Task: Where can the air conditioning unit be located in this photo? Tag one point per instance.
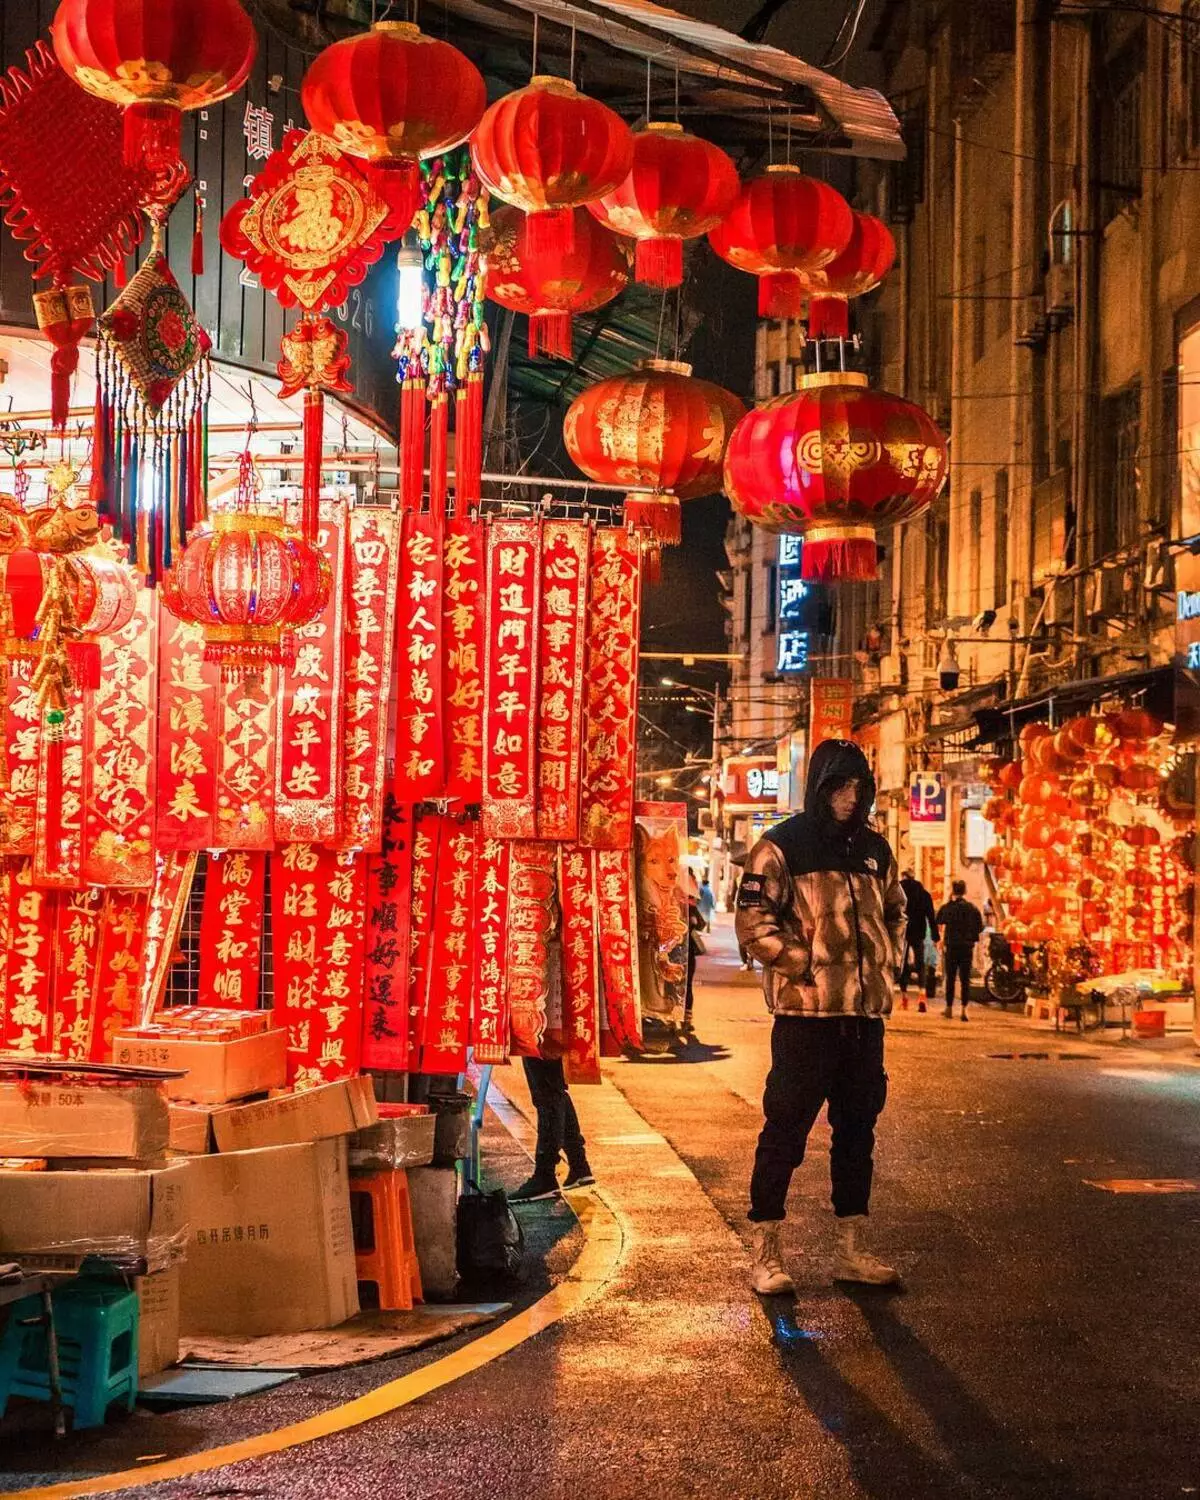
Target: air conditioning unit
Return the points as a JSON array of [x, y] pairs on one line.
[[1031, 322], [1029, 616], [1060, 295]]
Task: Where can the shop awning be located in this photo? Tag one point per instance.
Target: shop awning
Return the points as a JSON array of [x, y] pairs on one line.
[[1153, 689]]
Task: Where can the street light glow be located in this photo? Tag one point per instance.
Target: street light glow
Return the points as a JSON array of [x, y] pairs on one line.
[[410, 293]]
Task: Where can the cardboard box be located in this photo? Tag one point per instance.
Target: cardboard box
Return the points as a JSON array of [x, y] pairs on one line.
[[216, 1071], [311, 1115], [52, 1119], [158, 1320], [271, 1248], [189, 1128], [406, 1141], [56, 1220]]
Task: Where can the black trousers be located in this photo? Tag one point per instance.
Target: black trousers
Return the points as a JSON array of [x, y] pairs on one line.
[[817, 1060], [557, 1123], [914, 962], [958, 967]]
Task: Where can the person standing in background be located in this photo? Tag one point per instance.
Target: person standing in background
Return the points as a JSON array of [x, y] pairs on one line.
[[962, 927], [922, 923]]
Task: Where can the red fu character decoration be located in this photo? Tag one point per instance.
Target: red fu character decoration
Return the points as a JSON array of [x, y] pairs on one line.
[[830, 462]]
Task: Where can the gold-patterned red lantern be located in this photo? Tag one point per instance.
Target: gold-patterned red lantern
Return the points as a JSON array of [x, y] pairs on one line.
[[548, 149], [783, 225], [392, 96], [862, 265], [550, 288], [156, 58], [830, 462], [249, 582], [659, 432], [678, 188]]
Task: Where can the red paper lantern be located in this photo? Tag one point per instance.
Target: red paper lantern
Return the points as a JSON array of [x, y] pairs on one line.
[[156, 58], [391, 96], [1134, 725], [1140, 777], [550, 287], [1141, 836], [1010, 776], [782, 225], [830, 462], [862, 265], [658, 431], [547, 149], [1090, 732], [678, 188], [1037, 789], [1067, 748]]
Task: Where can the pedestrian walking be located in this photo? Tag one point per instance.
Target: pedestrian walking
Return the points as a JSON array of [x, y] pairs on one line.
[[962, 927], [696, 926], [822, 909], [557, 1131], [708, 902], [922, 923]]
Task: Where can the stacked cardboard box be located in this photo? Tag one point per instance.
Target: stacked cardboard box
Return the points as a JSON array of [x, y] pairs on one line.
[[219, 1055]]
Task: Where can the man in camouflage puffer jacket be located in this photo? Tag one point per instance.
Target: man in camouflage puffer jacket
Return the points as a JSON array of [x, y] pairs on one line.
[[821, 908]]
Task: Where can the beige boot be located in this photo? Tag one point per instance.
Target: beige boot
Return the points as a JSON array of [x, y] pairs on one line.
[[767, 1275], [852, 1262]]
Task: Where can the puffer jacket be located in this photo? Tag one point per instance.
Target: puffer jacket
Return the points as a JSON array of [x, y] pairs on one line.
[[821, 906]]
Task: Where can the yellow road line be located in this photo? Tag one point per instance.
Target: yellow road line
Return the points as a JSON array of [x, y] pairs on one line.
[[605, 1234]]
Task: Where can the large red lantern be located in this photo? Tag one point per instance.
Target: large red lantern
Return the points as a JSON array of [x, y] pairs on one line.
[[784, 224], [830, 462], [658, 431], [678, 188], [862, 265], [156, 58], [547, 149], [550, 287], [391, 96]]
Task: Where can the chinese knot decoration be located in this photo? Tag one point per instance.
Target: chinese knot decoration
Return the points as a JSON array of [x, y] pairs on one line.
[[859, 269], [782, 225], [393, 96], [678, 188], [249, 583], [660, 432], [547, 149], [830, 462]]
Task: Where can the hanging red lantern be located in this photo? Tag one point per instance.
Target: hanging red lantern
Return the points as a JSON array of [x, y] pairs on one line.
[[1030, 733], [830, 462], [1089, 732], [782, 225], [1009, 776], [1067, 749], [391, 96], [1140, 777], [547, 149], [678, 188], [156, 58], [551, 287], [862, 265], [1135, 725], [1141, 836], [1037, 789], [658, 431]]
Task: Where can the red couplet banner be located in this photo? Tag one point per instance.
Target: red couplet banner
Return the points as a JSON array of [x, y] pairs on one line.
[[231, 927], [617, 917], [581, 963], [463, 642], [188, 738], [531, 903], [566, 547], [447, 1018], [370, 639], [490, 1028], [389, 900], [610, 722], [510, 744], [420, 752]]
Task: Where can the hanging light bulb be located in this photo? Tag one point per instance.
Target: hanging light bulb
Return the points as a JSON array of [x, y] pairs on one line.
[[410, 295]]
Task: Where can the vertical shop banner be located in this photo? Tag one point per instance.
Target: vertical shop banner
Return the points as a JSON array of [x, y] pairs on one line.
[[246, 773], [78, 941], [489, 1033], [119, 814], [610, 715], [509, 738], [318, 912], [371, 632], [188, 739], [311, 709], [63, 767], [29, 976], [463, 647], [389, 898], [617, 920], [169, 897], [116, 995], [531, 917], [581, 963], [423, 885], [832, 713], [447, 1019], [420, 773], [22, 738], [928, 809], [660, 843], [231, 929], [566, 549]]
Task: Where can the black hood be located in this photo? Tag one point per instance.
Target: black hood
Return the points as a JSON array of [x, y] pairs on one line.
[[832, 763]]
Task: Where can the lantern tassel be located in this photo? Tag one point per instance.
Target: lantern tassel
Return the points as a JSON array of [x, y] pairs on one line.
[[398, 183], [198, 239], [832, 556], [550, 333], [412, 444], [468, 443], [659, 515], [314, 445], [550, 231], [780, 295], [152, 134], [120, 275], [829, 318], [439, 455], [651, 565], [659, 261]]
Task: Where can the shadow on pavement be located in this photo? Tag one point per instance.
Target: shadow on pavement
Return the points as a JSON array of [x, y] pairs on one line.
[[682, 1050]]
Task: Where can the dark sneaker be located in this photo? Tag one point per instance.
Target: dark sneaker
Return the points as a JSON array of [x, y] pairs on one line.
[[579, 1177], [536, 1189], [964, 1015]]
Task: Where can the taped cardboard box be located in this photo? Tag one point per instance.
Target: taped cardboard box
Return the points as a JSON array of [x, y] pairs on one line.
[[271, 1248], [63, 1120], [406, 1141], [57, 1220], [189, 1128], [318, 1114], [216, 1072], [158, 1320]]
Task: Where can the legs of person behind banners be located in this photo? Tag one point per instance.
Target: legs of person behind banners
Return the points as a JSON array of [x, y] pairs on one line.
[[557, 1132], [817, 1060]]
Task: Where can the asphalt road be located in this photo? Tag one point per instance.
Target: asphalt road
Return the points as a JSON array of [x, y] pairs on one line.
[[1048, 1344]]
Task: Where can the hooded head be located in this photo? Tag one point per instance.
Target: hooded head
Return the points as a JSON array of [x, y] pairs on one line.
[[833, 763]]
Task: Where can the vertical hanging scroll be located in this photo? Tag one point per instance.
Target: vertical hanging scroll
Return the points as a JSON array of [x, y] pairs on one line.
[[447, 1017], [374, 567], [420, 931], [463, 647], [117, 991], [78, 942], [168, 901], [617, 918], [22, 739], [420, 753], [231, 928], [610, 720], [490, 1029], [189, 747], [581, 963], [63, 765], [389, 897], [531, 917], [246, 774], [29, 975], [510, 745], [565, 553]]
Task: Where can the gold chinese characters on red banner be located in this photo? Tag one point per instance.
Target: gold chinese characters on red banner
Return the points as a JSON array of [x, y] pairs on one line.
[[188, 745], [371, 623], [231, 927], [420, 752], [463, 653], [610, 733], [510, 745], [565, 556]]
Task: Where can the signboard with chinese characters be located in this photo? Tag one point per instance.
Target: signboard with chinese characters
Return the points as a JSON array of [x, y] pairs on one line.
[[927, 808], [832, 710], [792, 637], [750, 782]]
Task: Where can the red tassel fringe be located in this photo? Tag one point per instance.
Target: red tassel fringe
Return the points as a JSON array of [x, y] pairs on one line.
[[314, 449], [412, 444], [198, 240], [120, 274], [439, 455], [659, 262], [829, 318], [152, 136], [849, 560], [468, 444], [652, 565], [550, 333], [660, 515], [398, 183], [550, 231], [780, 295]]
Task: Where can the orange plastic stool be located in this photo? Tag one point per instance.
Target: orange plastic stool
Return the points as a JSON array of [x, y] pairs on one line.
[[384, 1246]]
